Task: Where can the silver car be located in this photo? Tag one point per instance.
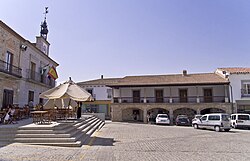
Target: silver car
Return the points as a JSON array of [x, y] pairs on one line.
[[214, 121], [162, 119]]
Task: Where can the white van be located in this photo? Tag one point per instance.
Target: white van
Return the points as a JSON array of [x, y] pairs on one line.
[[240, 120], [214, 121]]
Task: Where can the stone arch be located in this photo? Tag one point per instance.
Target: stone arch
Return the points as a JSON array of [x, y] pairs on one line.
[[132, 114], [184, 111], [212, 110], [157, 110]]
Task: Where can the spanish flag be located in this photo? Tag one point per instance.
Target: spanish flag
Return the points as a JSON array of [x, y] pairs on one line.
[[52, 72]]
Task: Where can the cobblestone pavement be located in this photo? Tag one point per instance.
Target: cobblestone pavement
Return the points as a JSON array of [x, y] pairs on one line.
[[142, 142]]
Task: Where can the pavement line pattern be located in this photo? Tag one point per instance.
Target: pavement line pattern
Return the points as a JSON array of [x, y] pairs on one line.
[[87, 147]]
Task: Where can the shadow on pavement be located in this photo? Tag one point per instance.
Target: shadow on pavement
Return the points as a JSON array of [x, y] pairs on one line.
[[99, 141]]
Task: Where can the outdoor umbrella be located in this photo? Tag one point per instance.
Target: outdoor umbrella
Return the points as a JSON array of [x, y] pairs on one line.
[[68, 90], [59, 103]]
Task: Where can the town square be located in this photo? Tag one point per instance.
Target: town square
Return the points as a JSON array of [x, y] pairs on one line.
[[124, 80]]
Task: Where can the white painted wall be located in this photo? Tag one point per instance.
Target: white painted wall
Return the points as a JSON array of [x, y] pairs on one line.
[[218, 90], [236, 84], [235, 81], [99, 91], [28, 56]]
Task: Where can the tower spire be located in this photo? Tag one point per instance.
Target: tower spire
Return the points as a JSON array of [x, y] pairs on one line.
[[44, 27]]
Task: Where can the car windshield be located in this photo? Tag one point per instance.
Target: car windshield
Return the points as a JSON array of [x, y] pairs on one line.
[[182, 116], [183, 119], [199, 116], [243, 117], [225, 118], [163, 116]]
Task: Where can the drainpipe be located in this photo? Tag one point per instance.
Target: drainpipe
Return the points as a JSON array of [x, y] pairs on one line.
[[232, 103]]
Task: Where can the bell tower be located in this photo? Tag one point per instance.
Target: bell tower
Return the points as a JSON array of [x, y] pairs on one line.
[[41, 41], [44, 27]]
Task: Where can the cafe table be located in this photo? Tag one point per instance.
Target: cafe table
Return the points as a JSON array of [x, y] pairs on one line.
[[38, 116]]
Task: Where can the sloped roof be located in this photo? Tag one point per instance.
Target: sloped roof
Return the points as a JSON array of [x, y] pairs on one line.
[[177, 79], [103, 81], [236, 70]]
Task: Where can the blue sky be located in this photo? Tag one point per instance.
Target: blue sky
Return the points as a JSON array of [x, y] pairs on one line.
[[116, 38]]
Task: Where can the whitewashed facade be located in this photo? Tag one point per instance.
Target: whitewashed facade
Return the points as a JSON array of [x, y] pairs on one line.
[[23, 81], [102, 95], [239, 79]]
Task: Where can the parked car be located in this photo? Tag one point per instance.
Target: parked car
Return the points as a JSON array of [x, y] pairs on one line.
[[215, 121], [240, 120], [162, 119], [196, 117], [182, 120]]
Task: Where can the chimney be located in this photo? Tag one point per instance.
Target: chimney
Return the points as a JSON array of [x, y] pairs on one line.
[[101, 76], [184, 73]]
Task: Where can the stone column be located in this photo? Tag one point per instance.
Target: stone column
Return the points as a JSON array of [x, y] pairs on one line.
[[197, 95], [120, 99], [144, 95], [170, 97], [198, 111], [145, 116], [171, 116]]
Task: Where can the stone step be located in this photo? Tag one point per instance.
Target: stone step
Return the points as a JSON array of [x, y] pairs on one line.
[[38, 132], [42, 135], [65, 134], [74, 144], [51, 130], [45, 140], [86, 132]]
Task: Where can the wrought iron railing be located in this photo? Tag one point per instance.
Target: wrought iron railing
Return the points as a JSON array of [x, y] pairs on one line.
[[10, 69], [40, 78], [191, 99], [245, 92]]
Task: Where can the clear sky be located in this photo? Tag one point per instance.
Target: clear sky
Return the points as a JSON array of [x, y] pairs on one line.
[[116, 38]]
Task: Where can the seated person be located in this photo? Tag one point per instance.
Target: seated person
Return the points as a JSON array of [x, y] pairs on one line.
[[9, 115]]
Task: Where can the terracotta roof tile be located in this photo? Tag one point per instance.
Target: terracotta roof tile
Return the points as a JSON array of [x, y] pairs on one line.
[[178, 79], [100, 81], [236, 70]]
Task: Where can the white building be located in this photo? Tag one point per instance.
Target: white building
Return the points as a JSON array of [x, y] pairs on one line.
[[101, 93], [22, 77], [239, 79]]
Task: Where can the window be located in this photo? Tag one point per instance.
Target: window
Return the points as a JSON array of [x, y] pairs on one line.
[[32, 70], [208, 95], [109, 92], [204, 118], [225, 118], [159, 96], [245, 91], [136, 96], [183, 95], [243, 117], [31, 96], [214, 118], [7, 97], [90, 91], [9, 61]]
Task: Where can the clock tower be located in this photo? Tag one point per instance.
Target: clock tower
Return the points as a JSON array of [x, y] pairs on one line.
[[41, 41]]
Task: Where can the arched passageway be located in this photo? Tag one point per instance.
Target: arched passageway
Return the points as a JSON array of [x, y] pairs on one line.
[[132, 114], [184, 111], [154, 111]]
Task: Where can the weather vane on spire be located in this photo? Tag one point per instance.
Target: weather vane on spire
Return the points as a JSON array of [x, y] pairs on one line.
[[46, 11], [44, 28]]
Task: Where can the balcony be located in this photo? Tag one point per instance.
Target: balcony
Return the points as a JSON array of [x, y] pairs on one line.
[[39, 78], [245, 92], [194, 99], [10, 69]]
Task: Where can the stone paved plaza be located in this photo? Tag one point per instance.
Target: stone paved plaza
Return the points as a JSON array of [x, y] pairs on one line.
[[142, 142]]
